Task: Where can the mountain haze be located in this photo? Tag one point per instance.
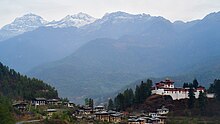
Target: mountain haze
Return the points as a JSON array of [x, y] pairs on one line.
[[157, 49], [114, 51], [47, 44]]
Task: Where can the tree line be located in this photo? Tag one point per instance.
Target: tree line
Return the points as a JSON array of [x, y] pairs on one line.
[[130, 97]]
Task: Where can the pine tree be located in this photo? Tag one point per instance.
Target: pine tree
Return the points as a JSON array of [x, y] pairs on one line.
[[195, 83], [128, 97], [211, 88], [91, 103], [119, 102], [202, 102], [145, 90], [86, 101], [191, 96], [217, 88], [110, 104], [185, 85], [131, 97], [137, 95], [149, 86]]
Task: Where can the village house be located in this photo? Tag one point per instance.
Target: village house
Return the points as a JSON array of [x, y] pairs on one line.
[[39, 101], [102, 116], [50, 112], [150, 118], [70, 105], [99, 108], [163, 111], [116, 117], [110, 116], [210, 95], [20, 105], [167, 88], [84, 110], [52, 101], [136, 121]]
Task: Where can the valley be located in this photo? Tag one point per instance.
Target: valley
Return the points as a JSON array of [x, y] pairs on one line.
[[100, 58]]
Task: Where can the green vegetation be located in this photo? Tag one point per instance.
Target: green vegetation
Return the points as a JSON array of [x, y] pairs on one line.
[[201, 107], [89, 102], [216, 88], [192, 98], [5, 111], [61, 117], [128, 98], [193, 120], [195, 83], [110, 104], [16, 86], [202, 100]]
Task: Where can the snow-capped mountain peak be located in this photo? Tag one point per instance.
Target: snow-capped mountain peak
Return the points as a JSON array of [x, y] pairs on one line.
[[28, 22], [120, 17], [77, 20], [25, 23]]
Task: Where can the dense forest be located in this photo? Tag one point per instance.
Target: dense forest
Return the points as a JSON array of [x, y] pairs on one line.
[[130, 98], [17, 86]]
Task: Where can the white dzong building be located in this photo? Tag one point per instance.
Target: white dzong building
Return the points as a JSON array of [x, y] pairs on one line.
[[167, 87]]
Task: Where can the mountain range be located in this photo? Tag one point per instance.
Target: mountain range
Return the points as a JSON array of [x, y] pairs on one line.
[[30, 22], [107, 54]]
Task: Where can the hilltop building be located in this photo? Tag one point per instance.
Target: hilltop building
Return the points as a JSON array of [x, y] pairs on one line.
[[167, 87]]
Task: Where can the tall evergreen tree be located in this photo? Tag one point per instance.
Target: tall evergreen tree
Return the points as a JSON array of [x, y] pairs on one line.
[[145, 90], [86, 101], [131, 97], [191, 96], [128, 97], [119, 102], [185, 85], [202, 102], [195, 83], [137, 95], [217, 88], [211, 88], [91, 103], [110, 104], [149, 86]]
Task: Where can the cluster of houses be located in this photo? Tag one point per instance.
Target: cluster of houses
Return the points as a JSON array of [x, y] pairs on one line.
[[158, 117], [23, 105], [44, 101], [98, 113]]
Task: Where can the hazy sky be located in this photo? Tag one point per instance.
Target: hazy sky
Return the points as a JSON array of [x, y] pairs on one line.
[[56, 9]]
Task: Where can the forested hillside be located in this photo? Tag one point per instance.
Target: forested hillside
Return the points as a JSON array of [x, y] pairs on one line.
[[17, 86]]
